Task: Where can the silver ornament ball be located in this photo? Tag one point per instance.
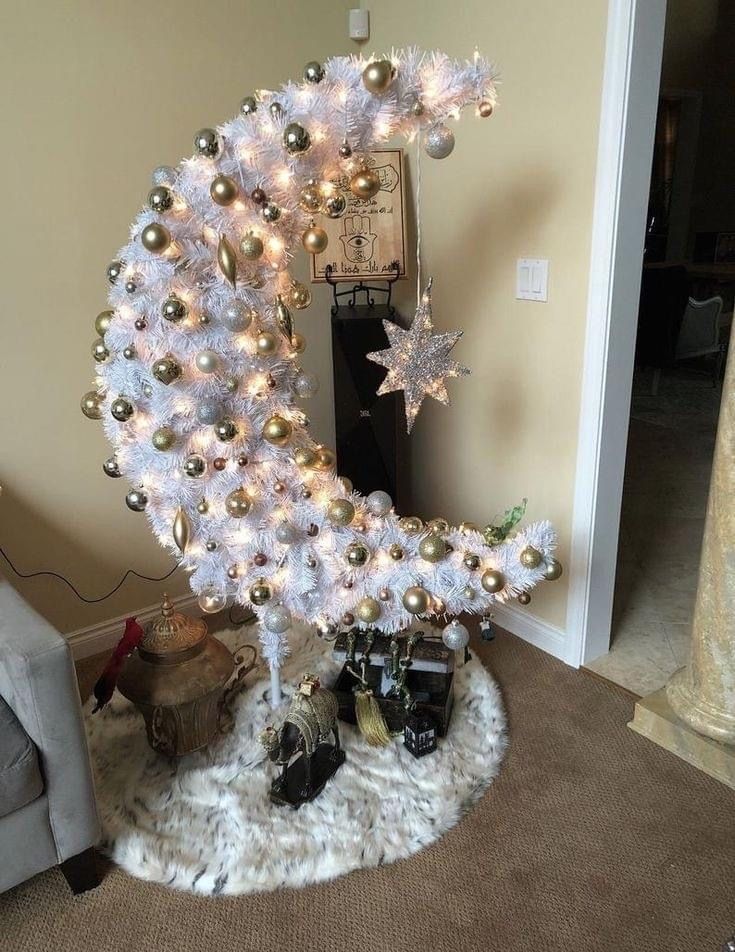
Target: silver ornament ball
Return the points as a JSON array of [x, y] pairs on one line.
[[209, 412], [136, 500], [277, 619], [207, 361], [439, 142], [306, 384], [455, 636], [379, 503], [236, 316]]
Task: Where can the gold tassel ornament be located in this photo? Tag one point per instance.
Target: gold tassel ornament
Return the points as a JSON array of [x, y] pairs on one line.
[[370, 719]]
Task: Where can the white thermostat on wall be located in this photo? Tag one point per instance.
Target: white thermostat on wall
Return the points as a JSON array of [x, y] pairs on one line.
[[359, 25]]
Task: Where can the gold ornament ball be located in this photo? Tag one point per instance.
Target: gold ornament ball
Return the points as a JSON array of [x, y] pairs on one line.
[[225, 431], [232, 572], [160, 198], [411, 525], [432, 548], [102, 322], [174, 309], [304, 457], [493, 581], [166, 370], [471, 561], [340, 512], [315, 240], [299, 295], [163, 438], [378, 76], [194, 466], [121, 409], [202, 506], [357, 555], [530, 558], [384, 595], [468, 592], [466, 527], [91, 404], [553, 570], [524, 598], [155, 238], [437, 525], [310, 198], [325, 459], [416, 600], [251, 246], [266, 344], [99, 351], [223, 190], [396, 552], [237, 503], [277, 431], [365, 184], [260, 592], [296, 140], [298, 342], [485, 109], [368, 610]]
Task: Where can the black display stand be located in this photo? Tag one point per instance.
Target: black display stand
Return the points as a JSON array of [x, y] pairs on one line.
[[370, 430]]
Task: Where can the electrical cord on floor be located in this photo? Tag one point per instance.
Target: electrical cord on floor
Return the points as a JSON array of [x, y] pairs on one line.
[[83, 598]]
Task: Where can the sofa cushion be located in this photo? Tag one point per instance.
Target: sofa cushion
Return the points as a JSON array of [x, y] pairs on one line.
[[20, 775]]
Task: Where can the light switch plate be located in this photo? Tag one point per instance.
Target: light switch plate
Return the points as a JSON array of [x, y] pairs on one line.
[[532, 279]]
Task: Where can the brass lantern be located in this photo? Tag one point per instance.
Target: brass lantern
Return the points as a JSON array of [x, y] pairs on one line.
[[177, 679]]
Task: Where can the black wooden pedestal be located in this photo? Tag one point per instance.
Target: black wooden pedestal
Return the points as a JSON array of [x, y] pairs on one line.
[[370, 430]]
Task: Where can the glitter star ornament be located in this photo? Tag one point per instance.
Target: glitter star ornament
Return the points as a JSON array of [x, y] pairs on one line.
[[418, 360]]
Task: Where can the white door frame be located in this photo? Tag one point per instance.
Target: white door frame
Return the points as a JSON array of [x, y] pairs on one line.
[[634, 45]]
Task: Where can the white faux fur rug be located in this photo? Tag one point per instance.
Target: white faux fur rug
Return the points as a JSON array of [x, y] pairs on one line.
[[206, 824]]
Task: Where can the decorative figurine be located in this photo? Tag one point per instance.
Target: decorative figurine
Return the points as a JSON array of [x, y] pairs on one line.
[[302, 745]]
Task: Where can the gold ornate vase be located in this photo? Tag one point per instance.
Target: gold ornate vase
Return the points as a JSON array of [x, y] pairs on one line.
[[177, 679]]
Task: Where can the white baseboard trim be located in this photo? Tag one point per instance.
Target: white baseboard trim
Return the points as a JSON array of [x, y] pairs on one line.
[[94, 639], [540, 634]]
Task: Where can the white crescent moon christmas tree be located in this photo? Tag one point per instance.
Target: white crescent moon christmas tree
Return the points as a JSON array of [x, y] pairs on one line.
[[198, 371]]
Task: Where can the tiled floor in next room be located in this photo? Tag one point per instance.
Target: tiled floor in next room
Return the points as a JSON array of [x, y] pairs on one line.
[[670, 447]]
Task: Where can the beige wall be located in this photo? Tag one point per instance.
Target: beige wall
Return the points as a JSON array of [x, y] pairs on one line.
[[95, 94], [99, 93], [518, 185]]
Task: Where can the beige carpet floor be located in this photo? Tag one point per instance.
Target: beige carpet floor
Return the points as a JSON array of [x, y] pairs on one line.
[[592, 839]]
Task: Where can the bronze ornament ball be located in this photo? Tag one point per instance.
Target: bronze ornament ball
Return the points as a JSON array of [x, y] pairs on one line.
[[99, 351], [485, 109], [251, 246], [325, 459], [258, 196], [160, 198], [155, 238], [91, 404], [299, 295], [396, 552], [140, 323], [114, 270], [432, 548], [298, 342], [530, 558], [437, 525], [340, 512], [223, 190], [553, 570], [163, 438], [111, 468], [471, 561], [219, 463], [315, 240], [233, 572], [493, 581], [122, 409], [102, 322], [260, 559], [238, 503], [260, 592], [368, 610], [129, 352], [357, 555], [384, 595], [266, 344], [277, 430], [524, 598], [226, 431], [345, 150], [416, 600], [248, 105], [378, 76], [365, 184], [348, 619]]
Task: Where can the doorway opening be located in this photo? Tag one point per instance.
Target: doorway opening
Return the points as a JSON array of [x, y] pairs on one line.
[[683, 328]]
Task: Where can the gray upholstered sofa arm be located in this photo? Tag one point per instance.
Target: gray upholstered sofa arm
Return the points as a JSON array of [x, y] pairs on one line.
[[37, 680]]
